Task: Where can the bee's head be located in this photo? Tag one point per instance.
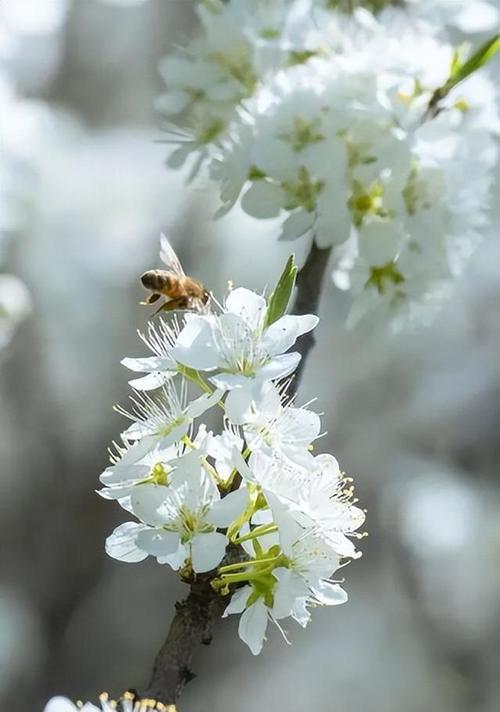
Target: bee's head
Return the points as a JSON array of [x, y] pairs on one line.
[[206, 296]]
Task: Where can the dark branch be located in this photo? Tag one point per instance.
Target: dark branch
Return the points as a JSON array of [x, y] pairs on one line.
[[191, 625], [309, 285]]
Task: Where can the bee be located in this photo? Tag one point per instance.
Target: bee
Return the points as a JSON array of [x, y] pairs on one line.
[[180, 291]]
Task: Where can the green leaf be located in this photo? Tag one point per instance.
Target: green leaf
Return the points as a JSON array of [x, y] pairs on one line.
[[460, 71], [478, 60], [278, 301]]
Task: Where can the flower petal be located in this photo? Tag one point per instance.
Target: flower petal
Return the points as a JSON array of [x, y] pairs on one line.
[[263, 200], [227, 509], [195, 345], [146, 501], [207, 551], [158, 542], [253, 626], [145, 365], [330, 594], [279, 366], [151, 380], [281, 335], [203, 403], [238, 601], [247, 305], [121, 544]]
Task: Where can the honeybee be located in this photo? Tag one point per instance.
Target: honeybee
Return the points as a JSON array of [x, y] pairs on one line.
[[180, 291]]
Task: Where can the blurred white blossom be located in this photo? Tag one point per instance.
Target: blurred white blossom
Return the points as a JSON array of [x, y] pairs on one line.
[[335, 124], [128, 703]]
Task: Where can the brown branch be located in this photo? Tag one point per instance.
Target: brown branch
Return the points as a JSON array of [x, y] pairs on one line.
[[192, 624], [196, 616], [307, 298]]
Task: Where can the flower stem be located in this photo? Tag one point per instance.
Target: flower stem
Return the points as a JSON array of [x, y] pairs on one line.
[[258, 531]]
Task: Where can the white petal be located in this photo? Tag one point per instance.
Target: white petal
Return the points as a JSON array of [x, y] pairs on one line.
[[228, 381], [195, 345], [263, 200], [118, 474], [253, 625], [151, 380], [379, 242], [248, 305], [227, 509], [290, 586], [238, 405], [203, 403], [330, 594], [121, 544], [281, 335], [146, 501], [207, 551], [145, 365], [477, 16], [238, 601], [299, 426], [141, 429], [279, 366], [139, 450], [158, 542], [60, 704], [296, 224]]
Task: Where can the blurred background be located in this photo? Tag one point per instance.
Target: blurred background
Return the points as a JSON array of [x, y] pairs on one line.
[[84, 193]]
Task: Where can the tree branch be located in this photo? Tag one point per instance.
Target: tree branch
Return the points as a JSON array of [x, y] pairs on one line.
[[191, 625], [309, 285]]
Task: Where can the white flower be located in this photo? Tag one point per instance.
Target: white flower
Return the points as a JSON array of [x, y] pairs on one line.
[[300, 576], [160, 339], [15, 305], [128, 703], [346, 148], [179, 523], [472, 16], [316, 496], [238, 344], [254, 487], [166, 417], [285, 429], [140, 465]]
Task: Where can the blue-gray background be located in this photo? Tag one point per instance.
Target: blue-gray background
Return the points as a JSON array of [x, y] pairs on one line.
[[413, 418]]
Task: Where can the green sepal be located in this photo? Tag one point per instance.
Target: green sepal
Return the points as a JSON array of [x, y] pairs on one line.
[[279, 299]]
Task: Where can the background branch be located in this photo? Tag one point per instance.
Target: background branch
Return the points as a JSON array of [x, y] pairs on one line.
[[307, 298]]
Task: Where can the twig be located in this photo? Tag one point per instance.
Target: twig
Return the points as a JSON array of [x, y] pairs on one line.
[[191, 625], [309, 285]]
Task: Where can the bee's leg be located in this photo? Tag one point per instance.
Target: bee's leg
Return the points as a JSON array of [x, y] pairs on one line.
[[151, 299], [178, 304]]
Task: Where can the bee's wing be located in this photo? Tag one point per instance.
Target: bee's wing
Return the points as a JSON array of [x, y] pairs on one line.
[[168, 256]]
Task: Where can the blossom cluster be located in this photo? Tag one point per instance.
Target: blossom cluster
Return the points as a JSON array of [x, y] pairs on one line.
[[128, 703], [251, 507], [338, 126]]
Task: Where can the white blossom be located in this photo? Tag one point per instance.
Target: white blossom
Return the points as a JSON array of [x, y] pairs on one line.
[[249, 507], [343, 143], [242, 348], [128, 703]]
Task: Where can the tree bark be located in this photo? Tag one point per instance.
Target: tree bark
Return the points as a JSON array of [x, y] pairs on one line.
[[309, 285], [192, 624]]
